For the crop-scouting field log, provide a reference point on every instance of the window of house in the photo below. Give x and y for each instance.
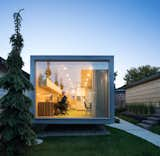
(71, 89)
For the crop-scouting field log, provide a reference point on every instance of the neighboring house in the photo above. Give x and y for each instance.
(120, 97)
(3, 70)
(144, 91)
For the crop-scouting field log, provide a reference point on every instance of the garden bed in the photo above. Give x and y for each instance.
(134, 116)
(136, 112)
(128, 118)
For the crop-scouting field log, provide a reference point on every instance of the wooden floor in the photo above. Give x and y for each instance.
(72, 113)
(75, 114)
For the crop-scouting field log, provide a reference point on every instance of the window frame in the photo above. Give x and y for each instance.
(95, 120)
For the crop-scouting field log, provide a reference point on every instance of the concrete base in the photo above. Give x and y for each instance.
(74, 130)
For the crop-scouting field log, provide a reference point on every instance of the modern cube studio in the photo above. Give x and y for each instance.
(72, 89)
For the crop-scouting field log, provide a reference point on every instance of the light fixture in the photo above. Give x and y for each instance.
(67, 75)
(73, 91)
(64, 68)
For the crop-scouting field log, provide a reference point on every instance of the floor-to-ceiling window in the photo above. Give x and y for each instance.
(71, 89)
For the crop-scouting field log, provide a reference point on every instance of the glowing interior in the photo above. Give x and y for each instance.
(84, 84)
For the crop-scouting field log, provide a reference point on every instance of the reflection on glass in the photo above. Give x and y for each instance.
(71, 89)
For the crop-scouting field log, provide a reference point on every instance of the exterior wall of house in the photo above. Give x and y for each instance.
(2, 91)
(148, 92)
(119, 99)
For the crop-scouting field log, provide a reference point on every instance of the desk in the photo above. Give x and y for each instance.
(45, 108)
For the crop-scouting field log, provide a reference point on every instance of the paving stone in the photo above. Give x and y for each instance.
(156, 115)
(150, 122)
(146, 126)
(39, 141)
(157, 110)
(153, 118)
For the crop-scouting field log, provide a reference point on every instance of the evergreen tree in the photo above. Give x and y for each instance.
(16, 132)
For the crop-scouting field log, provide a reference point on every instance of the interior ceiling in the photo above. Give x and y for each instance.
(72, 74)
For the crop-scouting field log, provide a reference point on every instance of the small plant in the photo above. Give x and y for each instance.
(140, 109)
(152, 110)
(120, 110)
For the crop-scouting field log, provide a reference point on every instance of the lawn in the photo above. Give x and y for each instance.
(118, 143)
(156, 129)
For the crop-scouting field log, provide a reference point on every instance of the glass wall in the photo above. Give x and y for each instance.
(71, 89)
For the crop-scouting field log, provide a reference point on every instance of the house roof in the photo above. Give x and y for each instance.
(3, 67)
(120, 89)
(145, 80)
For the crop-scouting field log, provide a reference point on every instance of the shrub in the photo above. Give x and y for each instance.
(120, 110)
(16, 119)
(140, 108)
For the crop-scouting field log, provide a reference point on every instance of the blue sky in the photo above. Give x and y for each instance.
(127, 29)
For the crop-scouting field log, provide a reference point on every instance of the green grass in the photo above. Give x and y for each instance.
(156, 129)
(118, 143)
(129, 119)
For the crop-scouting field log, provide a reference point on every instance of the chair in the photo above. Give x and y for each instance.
(62, 107)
